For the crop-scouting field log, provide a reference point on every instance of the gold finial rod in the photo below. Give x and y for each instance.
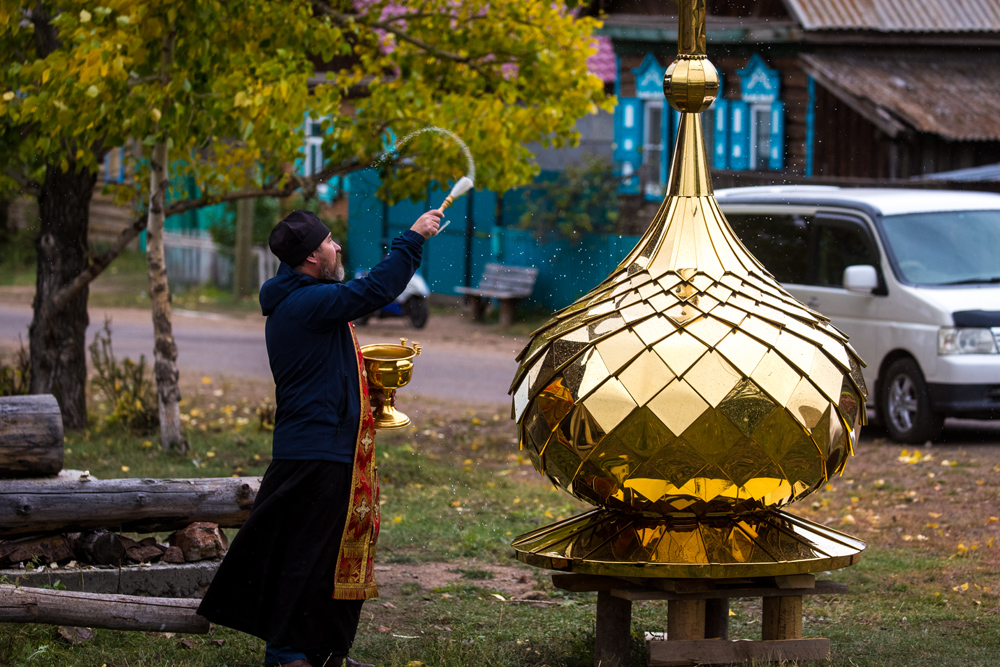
(691, 40)
(690, 84)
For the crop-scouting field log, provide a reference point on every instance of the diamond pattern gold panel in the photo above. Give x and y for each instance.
(686, 385)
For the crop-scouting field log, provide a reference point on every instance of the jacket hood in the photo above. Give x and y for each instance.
(277, 289)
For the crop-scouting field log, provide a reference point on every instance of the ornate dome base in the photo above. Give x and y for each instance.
(734, 546)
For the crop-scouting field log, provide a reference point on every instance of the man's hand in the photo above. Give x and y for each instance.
(427, 224)
(377, 399)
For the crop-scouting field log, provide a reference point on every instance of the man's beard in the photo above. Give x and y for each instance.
(332, 272)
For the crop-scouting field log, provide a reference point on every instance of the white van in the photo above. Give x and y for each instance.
(912, 276)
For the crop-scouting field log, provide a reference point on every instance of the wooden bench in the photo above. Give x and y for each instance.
(506, 284)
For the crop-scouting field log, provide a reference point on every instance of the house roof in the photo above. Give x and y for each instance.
(989, 172)
(955, 96)
(898, 15)
(603, 64)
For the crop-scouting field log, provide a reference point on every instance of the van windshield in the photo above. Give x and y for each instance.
(946, 248)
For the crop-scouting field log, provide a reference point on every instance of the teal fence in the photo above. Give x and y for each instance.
(483, 229)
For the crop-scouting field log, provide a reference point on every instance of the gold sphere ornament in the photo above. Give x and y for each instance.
(689, 397)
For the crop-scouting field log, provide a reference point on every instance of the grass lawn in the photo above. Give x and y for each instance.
(456, 492)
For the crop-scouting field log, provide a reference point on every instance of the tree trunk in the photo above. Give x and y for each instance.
(63, 504)
(57, 336)
(168, 394)
(243, 253)
(31, 436)
(19, 604)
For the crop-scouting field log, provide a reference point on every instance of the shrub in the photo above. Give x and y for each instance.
(581, 200)
(15, 378)
(125, 386)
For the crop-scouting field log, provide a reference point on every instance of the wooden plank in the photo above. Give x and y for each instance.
(31, 436)
(720, 652)
(19, 604)
(786, 581)
(821, 588)
(586, 583)
(685, 619)
(132, 505)
(614, 631)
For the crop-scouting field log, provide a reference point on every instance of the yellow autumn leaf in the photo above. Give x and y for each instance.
(8, 96)
(84, 16)
(398, 519)
(147, 443)
(125, 468)
(457, 503)
(155, 114)
(206, 380)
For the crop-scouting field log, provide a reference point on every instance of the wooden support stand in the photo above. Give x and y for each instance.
(698, 618)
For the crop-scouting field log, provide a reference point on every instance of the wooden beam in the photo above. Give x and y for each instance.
(782, 618)
(820, 588)
(614, 631)
(134, 505)
(93, 610)
(31, 436)
(720, 652)
(685, 620)
(717, 618)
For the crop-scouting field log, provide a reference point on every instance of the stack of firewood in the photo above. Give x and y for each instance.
(50, 516)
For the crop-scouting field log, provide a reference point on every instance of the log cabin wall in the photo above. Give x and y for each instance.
(794, 89)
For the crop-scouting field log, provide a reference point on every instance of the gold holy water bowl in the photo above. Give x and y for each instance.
(389, 367)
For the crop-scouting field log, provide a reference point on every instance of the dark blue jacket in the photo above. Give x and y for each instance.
(312, 355)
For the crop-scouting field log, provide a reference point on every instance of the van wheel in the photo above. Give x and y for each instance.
(905, 404)
(418, 311)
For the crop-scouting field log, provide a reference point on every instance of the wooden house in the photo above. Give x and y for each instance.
(842, 89)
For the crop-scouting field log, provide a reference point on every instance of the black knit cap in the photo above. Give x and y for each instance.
(295, 237)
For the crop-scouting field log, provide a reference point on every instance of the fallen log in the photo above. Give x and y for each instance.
(31, 436)
(69, 504)
(94, 610)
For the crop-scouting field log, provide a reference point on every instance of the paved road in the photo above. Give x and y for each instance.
(453, 367)
(233, 348)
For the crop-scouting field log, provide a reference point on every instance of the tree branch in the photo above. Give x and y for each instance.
(28, 186)
(138, 81)
(387, 25)
(99, 263)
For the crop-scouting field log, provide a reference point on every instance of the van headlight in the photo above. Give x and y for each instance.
(966, 341)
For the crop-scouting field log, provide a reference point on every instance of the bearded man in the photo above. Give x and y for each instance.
(301, 566)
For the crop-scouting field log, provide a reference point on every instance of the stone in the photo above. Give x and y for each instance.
(199, 541)
(173, 555)
(144, 554)
(44, 550)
